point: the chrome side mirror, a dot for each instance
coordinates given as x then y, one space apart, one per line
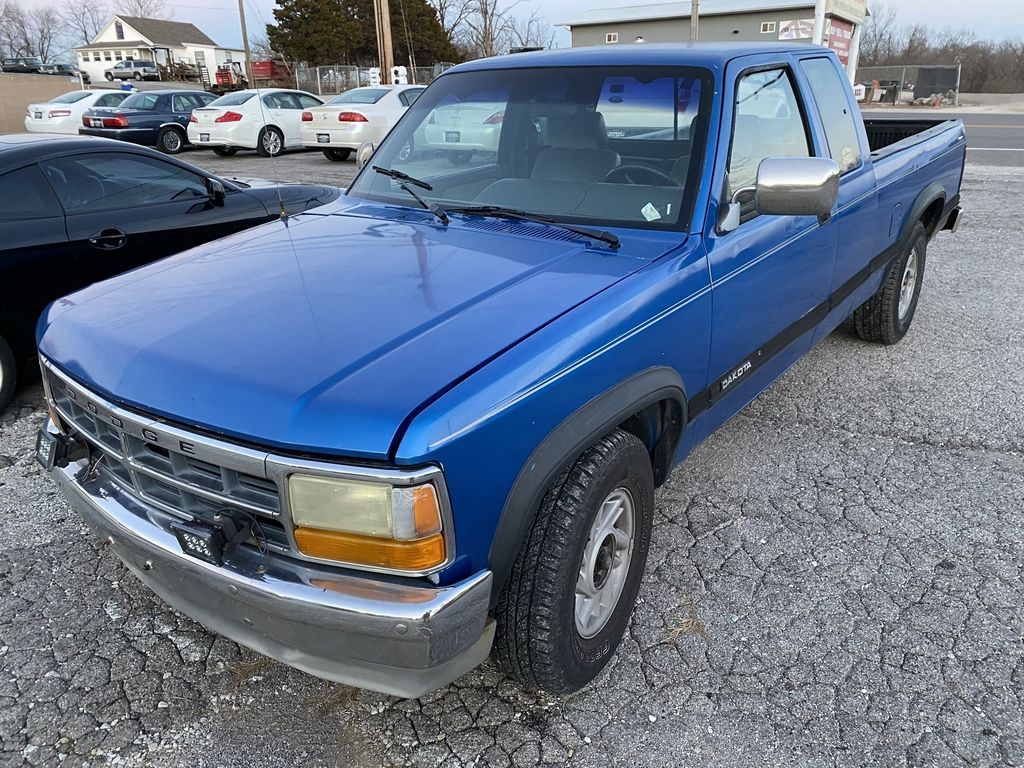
789 186
364 153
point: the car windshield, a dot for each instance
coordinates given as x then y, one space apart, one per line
360 96
69 98
140 101
610 146
231 99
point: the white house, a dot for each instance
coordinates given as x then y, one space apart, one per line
167 43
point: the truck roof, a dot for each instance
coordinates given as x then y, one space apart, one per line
637 54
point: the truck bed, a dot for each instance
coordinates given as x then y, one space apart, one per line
885 133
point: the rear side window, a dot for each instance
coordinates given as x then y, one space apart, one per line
70 98
360 96
654 110
111 99
840 123
24 194
409 96
231 99
767 123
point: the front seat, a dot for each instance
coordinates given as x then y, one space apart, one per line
577 149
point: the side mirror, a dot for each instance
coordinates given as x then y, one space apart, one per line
789 186
364 153
216 191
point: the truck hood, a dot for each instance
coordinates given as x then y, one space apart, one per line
324 333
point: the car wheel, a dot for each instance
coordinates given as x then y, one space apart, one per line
407 149
460 158
110 77
8 374
138 76
572 588
170 140
885 317
337 155
225 151
270 142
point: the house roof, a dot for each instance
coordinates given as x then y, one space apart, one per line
163 33
653 11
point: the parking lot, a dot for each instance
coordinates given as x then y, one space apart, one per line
835 580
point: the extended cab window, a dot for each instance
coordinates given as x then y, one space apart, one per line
767 123
24 194
113 181
829 90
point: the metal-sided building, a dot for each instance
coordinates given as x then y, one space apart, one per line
721 20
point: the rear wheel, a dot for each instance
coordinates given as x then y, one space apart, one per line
170 140
225 151
270 142
337 155
460 158
8 374
138 76
885 317
572 588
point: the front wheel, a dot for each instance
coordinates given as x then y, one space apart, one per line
270 142
170 140
8 374
337 155
885 317
110 77
575 580
138 77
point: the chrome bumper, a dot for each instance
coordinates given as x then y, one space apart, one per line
383 635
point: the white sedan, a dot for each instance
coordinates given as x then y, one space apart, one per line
63 114
264 119
355 116
462 129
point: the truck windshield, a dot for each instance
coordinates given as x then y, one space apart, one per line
609 146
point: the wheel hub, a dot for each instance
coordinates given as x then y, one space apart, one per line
604 566
908 285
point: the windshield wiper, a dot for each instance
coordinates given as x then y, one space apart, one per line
404 180
514 213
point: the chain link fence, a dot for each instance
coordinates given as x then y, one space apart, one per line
922 84
338 78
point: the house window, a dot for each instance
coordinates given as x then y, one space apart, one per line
118 30
767 27
83 56
106 56
95 55
119 55
611 37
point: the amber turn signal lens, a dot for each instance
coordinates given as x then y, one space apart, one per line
373 551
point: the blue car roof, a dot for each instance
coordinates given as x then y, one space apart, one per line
712 55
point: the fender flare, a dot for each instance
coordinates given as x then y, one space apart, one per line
563 445
925 198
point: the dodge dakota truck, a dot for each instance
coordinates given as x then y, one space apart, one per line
383 439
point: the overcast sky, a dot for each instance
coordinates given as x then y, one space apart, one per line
989 19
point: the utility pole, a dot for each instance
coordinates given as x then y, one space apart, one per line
245 45
694 19
819 22
385 53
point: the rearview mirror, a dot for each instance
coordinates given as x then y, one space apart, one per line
216 190
364 153
789 186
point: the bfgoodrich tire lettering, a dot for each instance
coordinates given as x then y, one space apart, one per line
537 639
885 317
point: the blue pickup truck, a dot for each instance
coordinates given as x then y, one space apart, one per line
385 438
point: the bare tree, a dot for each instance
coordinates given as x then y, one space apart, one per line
487 27
34 32
452 14
259 44
531 32
82 21
880 37
143 9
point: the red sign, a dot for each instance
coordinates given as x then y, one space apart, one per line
840 33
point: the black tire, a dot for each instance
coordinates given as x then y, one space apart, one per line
171 140
337 155
138 77
460 158
110 77
537 640
225 151
8 374
262 139
878 319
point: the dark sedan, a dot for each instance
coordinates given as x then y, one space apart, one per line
76 210
152 118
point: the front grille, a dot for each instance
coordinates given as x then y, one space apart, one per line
186 475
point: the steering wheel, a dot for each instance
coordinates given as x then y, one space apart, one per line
639 174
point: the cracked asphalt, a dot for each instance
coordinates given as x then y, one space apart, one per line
835 579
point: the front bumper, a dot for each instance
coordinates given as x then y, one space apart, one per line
387 636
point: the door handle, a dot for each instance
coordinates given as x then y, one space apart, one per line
108 239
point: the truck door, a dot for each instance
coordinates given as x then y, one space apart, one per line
771 275
861 233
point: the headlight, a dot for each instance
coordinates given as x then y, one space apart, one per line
367 523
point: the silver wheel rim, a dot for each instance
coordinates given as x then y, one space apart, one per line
605 564
172 141
908 285
272 142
